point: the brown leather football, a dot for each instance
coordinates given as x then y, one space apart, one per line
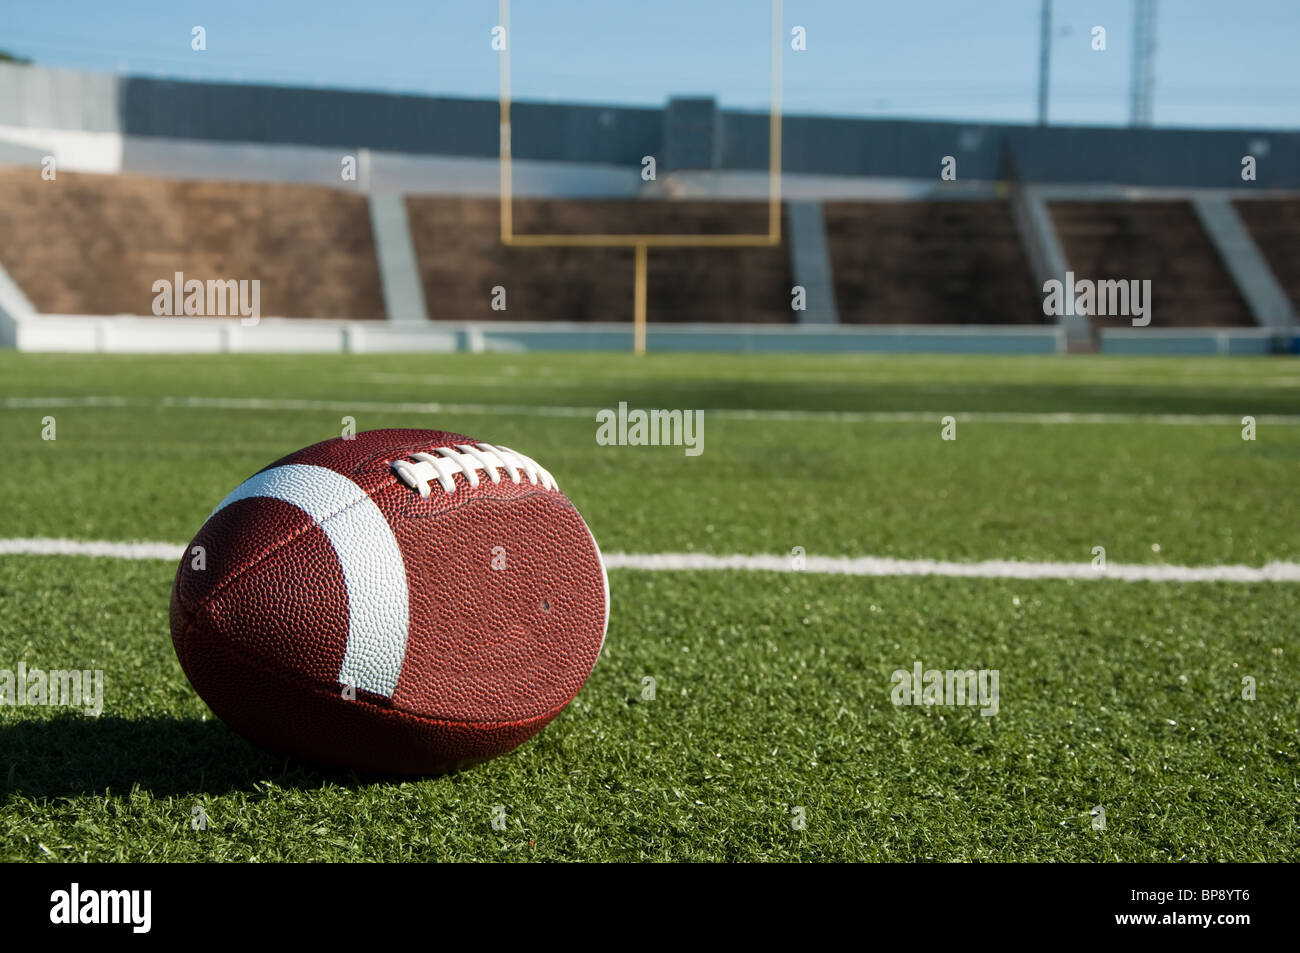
399 602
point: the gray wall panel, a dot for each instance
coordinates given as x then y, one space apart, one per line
422 125
58 99
312 117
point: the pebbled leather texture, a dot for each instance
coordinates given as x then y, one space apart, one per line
504 614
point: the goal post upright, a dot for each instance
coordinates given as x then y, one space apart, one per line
640 243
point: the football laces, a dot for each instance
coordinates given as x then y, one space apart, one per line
421 470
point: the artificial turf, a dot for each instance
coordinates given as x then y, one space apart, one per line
772 690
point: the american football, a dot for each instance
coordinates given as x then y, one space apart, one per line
396 601
753 431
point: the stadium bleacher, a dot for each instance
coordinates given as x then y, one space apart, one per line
1160 241
415 238
1274 224
461 258
95 244
929 263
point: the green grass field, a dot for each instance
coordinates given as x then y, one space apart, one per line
773 690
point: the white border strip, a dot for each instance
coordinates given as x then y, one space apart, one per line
512 410
820 565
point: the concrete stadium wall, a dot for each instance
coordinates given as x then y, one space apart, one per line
59 99
94 334
407 173
90 334
35 97
1178 158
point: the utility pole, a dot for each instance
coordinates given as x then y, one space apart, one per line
1044 60
1142 89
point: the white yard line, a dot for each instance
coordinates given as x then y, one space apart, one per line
514 410
831 565
85 547
985 569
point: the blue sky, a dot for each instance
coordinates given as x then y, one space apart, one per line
1218 62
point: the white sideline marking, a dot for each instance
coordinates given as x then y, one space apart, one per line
513 410
80 547
830 565
985 569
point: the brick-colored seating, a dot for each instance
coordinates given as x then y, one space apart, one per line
929 262
461 259
1158 240
1275 226
95 244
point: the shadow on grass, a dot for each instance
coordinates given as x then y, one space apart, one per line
73 755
